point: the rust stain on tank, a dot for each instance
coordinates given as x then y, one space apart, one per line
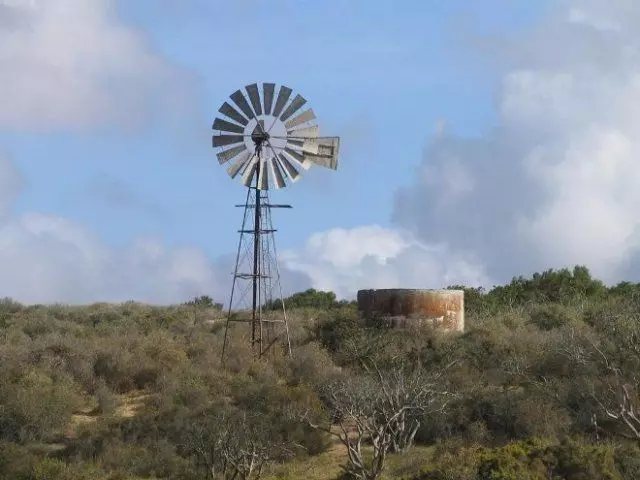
444 308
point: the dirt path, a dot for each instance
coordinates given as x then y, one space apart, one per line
128 405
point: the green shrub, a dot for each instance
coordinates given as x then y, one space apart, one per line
531 459
36 407
551 316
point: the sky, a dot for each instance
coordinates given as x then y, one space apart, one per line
479 141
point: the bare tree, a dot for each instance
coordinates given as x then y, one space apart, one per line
605 372
617 394
382 408
235 446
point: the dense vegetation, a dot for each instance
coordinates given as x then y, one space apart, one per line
543 384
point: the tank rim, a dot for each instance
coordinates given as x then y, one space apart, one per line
411 290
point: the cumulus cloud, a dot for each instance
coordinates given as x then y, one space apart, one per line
555 183
347 260
47 259
71 64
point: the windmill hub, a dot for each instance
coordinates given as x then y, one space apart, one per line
259 138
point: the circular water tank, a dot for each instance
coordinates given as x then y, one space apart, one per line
442 308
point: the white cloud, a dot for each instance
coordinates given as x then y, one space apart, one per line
556 181
70 64
46 259
347 260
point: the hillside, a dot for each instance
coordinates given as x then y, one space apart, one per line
542 384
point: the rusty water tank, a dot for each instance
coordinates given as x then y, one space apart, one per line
442 308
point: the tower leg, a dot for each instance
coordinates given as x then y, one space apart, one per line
274 254
247 207
256 320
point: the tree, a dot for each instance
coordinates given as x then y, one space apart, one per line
235 445
551 285
604 375
204 301
310 298
383 408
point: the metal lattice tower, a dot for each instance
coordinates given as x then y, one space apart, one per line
265 140
256 277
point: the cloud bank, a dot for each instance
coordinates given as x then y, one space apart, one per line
48 259
347 260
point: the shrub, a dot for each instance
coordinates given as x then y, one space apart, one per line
107 400
532 459
36 407
551 316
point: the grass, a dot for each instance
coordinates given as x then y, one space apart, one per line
329 464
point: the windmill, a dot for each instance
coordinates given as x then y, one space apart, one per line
266 139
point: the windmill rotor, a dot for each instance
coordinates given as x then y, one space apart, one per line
272 135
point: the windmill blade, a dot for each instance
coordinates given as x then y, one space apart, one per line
224 157
254 97
304 117
293 107
222 140
276 173
288 167
249 173
225 126
305 132
283 96
263 176
242 103
243 160
298 157
267 95
232 113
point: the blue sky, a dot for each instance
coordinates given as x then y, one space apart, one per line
381 75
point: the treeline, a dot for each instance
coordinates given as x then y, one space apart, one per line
543 384
555 286
310 298
562 286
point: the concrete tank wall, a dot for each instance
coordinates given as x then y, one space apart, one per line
443 308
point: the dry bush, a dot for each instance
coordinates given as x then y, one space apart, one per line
310 365
36 407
